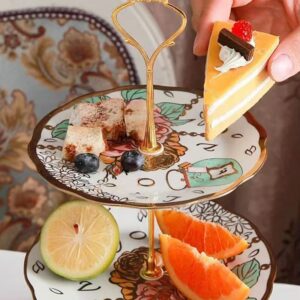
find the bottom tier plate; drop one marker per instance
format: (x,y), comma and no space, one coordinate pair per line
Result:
(255,266)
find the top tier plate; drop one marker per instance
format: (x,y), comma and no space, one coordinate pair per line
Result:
(190,169)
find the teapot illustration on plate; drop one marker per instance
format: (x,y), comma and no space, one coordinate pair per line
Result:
(204,173)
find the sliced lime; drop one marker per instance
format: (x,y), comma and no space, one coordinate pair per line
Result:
(79,240)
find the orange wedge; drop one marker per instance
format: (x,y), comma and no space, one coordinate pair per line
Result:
(198,276)
(211,238)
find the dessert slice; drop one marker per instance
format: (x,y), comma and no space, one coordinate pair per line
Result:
(85,115)
(135,116)
(83,140)
(107,114)
(111,119)
(234,79)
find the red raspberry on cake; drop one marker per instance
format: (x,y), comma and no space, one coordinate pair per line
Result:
(243,30)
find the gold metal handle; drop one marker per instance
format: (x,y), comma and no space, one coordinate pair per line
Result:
(150,1)
(150,145)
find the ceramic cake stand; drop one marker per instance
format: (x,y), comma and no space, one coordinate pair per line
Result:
(188,173)
(181,169)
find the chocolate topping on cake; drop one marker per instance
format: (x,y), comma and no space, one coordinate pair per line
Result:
(226,38)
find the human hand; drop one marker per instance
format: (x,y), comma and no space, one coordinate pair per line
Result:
(279,17)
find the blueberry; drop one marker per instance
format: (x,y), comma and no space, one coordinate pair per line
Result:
(132,161)
(86,163)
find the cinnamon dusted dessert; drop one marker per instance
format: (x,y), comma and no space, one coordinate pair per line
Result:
(92,125)
(83,140)
(112,119)
(85,115)
(135,116)
(107,114)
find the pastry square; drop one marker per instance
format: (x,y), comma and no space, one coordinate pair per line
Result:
(111,119)
(83,140)
(107,114)
(85,115)
(135,116)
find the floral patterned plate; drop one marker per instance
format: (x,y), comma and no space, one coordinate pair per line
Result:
(190,169)
(122,281)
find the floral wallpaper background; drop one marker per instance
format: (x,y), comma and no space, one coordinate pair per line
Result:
(47,57)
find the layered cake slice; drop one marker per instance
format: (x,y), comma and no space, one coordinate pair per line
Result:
(236,76)
(83,140)
(135,116)
(107,115)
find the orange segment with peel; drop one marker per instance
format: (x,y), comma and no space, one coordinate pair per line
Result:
(198,276)
(208,237)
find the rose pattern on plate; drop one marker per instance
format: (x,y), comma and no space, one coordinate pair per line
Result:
(126,275)
(122,281)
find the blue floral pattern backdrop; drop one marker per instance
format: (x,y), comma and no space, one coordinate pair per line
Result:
(47,57)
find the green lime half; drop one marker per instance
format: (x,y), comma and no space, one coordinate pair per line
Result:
(79,240)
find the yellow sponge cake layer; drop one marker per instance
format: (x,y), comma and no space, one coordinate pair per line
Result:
(227,96)
(223,118)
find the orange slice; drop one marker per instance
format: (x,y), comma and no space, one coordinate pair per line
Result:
(211,238)
(198,276)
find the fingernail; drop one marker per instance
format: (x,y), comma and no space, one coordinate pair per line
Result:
(282,67)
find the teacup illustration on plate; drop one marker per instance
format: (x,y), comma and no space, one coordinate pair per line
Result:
(204,173)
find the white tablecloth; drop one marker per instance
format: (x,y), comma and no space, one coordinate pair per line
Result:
(13,285)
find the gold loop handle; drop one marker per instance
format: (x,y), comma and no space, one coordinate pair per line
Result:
(132,41)
(150,145)
(150,1)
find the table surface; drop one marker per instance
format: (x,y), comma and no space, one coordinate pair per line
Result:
(13,285)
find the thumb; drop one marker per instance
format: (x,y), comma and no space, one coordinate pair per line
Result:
(285,61)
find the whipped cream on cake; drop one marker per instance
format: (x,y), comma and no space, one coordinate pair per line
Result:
(232,59)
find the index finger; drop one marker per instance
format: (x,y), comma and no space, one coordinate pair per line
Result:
(205,14)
